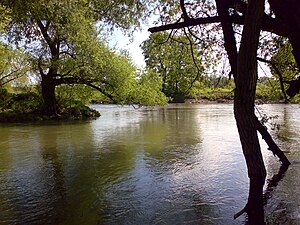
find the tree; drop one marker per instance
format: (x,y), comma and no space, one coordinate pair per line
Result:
(172,57)
(14,64)
(244,100)
(5,16)
(243,64)
(284,66)
(64,39)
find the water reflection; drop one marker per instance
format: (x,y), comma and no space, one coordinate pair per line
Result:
(283,207)
(171,165)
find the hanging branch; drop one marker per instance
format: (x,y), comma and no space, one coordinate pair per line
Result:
(194,61)
(279,75)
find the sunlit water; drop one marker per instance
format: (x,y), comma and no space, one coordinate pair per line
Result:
(179,164)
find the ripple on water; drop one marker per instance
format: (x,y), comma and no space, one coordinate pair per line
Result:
(177,165)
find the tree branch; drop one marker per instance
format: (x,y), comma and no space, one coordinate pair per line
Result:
(279,75)
(269,24)
(183,9)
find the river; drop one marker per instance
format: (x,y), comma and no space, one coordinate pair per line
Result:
(178,164)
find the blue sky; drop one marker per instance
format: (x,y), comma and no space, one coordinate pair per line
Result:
(121,41)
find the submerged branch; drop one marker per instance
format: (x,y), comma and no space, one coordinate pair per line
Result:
(270,142)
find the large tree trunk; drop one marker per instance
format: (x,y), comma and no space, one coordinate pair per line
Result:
(231,49)
(48,94)
(244,100)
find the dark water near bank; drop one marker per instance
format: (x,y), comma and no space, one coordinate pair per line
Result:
(180,164)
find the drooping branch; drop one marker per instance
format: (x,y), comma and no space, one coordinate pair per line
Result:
(101,90)
(194,61)
(88,82)
(279,75)
(270,142)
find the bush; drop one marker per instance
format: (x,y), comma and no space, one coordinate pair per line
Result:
(20,103)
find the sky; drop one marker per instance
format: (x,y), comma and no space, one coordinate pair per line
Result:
(121,41)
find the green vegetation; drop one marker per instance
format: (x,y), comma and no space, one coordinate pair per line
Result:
(55,60)
(61,45)
(171,57)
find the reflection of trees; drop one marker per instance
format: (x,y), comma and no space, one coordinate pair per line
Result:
(169,132)
(85,177)
(85,172)
(5,163)
(67,176)
(284,197)
(284,132)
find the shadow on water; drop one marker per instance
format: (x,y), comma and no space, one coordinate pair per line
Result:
(273,182)
(277,195)
(256,216)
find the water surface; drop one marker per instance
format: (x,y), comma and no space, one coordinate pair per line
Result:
(179,164)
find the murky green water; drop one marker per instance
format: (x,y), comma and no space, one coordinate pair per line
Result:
(180,164)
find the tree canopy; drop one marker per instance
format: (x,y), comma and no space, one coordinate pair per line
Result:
(175,60)
(14,64)
(66,40)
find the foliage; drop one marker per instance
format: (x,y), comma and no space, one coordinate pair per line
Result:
(14,65)
(21,102)
(71,93)
(26,106)
(5,18)
(213,88)
(284,64)
(66,40)
(172,57)
(268,90)
(143,94)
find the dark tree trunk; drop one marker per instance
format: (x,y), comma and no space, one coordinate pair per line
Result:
(231,49)
(244,100)
(229,38)
(48,94)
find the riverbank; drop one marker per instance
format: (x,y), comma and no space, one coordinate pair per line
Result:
(229,101)
(73,113)
(82,112)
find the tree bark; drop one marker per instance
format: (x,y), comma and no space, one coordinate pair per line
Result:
(231,49)
(229,38)
(272,145)
(244,100)
(48,93)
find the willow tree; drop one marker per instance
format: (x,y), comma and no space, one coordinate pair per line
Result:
(67,41)
(176,61)
(280,18)
(14,64)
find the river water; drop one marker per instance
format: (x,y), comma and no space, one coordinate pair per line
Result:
(178,164)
